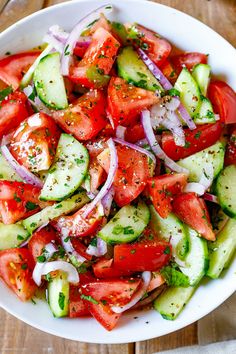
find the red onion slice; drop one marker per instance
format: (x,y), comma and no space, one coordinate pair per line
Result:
(72,274)
(174,125)
(148,300)
(146,122)
(107,201)
(204,183)
(211,198)
(99,250)
(110,177)
(37,103)
(60,35)
(146,277)
(76,33)
(50,249)
(120,132)
(109,117)
(166,85)
(137,148)
(25,174)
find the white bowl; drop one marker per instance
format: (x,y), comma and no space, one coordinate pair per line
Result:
(186,33)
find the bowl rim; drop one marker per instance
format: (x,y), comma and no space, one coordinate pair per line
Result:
(139,336)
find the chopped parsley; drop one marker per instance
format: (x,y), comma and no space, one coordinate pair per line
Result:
(31,206)
(174,277)
(94,242)
(89,298)
(61,300)
(5,92)
(20,238)
(167,250)
(41,259)
(173,92)
(16,198)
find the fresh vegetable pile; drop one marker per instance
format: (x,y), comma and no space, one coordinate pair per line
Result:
(117,171)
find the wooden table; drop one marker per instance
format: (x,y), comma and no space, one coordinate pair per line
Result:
(19,338)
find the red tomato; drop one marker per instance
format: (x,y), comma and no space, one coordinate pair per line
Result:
(143,255)
(156,281)
(169,71)
(188,60)
(193,211)
(104,315)
(196,140)
(163,188)
(18,200)
(97,174)
(101,23)
(95,147)
(97,61)
(85,117)
(158,49)
(223,99)
(77,225)
(16,267)
(35,141)
(80,248)
(230,155)
(126,101)
(14,66)
(104,268)
(131,175)
(13,110)
(135,133)
(40,239)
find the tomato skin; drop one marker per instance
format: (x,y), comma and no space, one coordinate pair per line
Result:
(141,256)
(97,174)
(158,49)
(169,71)
(163,188)
(197,140)
(77,306)
(13,110)
(126,101)
(104,269)
(18,200)
(35,141)
(12,67)
(85,118)
(193,211)
(16,266)
(99,56)
(135,133)
(40,239)
(80,248)
(188,60)
(104,315)
(76,225)
(223,99)
(230,154)
(131,175)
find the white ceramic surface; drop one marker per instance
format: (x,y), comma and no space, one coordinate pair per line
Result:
(188,34)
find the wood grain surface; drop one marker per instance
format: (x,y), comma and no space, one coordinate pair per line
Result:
(17,337)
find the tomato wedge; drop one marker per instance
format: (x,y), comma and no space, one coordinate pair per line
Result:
(193,211)
(40,239)
(35,141)
(97,62)
(18,200)
(135,133)
(14,66)
(163,188)
(105,268)
(77,225)
(223,99)
(85,118)
(131,175)
(158,49)
(126,101)
(230,155)
(13,110)
(80,248)
(16,266)
(188,60)
(196,140)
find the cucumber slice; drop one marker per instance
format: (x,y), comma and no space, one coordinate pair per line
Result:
(205,114)
(197,260)
(173,230)
(201,74)
(126,225)
(52,212)
(132,69)
(6,172)
(49,83)
(189,92)
(12,236)
(222,250)
(68,170)
(172,301)
(226,190)
(58,295)
(196,162)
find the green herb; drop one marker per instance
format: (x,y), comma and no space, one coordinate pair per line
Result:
(172,74)
(167,250)
(24,266)
(31,206)
(20,238)
(16,198)
(132,251)
(144,46)
(128,230)
(94,242)
(173,92)
(118,229)
(33,301)
(5,92)
(48,277)
(92,23)
(8,53)
(197,135)
(79,161)
(67,239)
(61,301)
(89,298)
(100,71)
(174,277)
(144,295)
(41,259)
(82,269)
(210,114)
(66,52)
(108,7)
(102,56)
(33,94)
(58,206)
(141,75)
(104,302)
(33,224)
(187,144)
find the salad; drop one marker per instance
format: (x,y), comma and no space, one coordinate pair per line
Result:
(117,171)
